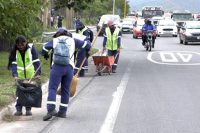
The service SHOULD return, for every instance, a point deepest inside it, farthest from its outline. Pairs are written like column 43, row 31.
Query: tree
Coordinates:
column 18, row 17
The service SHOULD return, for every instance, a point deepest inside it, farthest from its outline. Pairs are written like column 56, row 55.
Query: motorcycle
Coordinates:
column 149, row 42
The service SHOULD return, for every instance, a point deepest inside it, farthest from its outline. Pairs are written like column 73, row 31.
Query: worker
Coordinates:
column 112, row 42
column 63, row 46
column 81, row 54
column 23, row 61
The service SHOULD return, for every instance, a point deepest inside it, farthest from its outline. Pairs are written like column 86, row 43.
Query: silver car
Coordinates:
column 190, row 32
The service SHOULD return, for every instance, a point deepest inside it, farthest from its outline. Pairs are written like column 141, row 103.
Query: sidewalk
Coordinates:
column 34, row 123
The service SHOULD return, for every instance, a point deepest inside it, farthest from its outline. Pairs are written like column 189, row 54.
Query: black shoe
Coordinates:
column 61, row 115
column 81, row 74
column 49, row 115
column 18, row 113
column 114, row 71
column 28, row 113
column 143, row 43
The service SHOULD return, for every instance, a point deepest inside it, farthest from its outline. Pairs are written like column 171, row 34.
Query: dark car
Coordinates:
column 190, row 32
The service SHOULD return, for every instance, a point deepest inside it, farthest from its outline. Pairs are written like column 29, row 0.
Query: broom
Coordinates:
column 75, row 77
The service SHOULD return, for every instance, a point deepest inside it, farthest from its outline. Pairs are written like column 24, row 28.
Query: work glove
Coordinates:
column 88, row 53
column 46, row 56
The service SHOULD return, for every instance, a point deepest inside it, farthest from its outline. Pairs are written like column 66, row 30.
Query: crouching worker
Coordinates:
column 63, row 46
column 24, row 62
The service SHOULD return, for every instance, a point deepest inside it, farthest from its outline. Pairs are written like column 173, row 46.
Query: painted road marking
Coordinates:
column 165, row 57
column 185, row 57
column 175, row 57
column 111, row 116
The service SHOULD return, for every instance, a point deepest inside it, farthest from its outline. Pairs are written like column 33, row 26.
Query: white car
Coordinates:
column 156, row 19
column 104, row 20
column 167, row 27
column 127, row 26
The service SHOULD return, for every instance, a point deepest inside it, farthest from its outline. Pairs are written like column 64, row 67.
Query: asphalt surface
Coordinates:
column 152, row 92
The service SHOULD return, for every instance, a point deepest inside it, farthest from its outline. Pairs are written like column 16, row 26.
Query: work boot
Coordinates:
column 28, row 113
column 18, row 113
column 114, row 71
column 82, row 73
column 61, row 115
column 143, row 43
column 49, row 115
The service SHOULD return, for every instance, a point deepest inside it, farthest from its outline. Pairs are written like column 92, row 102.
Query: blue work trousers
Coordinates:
column 59, row 74
column 80, row 57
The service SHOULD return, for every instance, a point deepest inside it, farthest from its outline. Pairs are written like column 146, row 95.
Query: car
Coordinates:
column 104, row 20
column 137, row 28
column 155, row 20
column 127, row 26
column 167, row 27
column 190, row 32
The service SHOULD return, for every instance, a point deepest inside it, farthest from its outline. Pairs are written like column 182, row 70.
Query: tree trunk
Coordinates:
column 69, row 18
column 45, row 14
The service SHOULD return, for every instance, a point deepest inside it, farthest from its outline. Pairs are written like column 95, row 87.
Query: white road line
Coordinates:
column 111, row 117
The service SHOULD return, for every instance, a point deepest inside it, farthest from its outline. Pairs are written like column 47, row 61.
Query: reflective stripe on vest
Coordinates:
column 111, row 43
column 25, row 69
column 83, row 30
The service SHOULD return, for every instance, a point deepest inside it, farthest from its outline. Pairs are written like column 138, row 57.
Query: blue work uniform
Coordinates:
column 82, row 53
column 112, row 42
column 30, row 55
column 62, row 74
column 145, row 28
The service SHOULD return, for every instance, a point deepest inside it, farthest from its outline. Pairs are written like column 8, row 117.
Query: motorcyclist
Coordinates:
column 146, row 27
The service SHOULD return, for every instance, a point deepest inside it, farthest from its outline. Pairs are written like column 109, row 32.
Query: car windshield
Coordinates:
column 128, row 22
column 193, row 26
column 106, row 18
column 179, row 17
column 140, row 23
column 167, row 23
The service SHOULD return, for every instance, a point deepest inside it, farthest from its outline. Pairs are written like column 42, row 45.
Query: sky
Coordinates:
column 191, row 5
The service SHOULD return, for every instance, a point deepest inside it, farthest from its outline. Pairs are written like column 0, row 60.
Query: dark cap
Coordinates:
column 60, row 30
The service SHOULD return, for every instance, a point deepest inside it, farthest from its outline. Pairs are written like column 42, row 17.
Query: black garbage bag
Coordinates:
column 29, row 94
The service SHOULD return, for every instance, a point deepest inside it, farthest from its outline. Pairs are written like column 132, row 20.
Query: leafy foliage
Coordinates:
column 18, row 17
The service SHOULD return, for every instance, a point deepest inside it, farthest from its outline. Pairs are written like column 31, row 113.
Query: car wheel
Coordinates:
column 174, row 35
column 158, row 35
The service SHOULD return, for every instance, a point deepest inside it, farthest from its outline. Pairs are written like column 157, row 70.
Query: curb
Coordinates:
column 10, row 109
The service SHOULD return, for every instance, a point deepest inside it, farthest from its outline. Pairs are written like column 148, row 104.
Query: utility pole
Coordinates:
column 113, row 7
column 124, row 8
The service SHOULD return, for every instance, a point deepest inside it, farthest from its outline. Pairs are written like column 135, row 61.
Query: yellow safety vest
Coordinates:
column 83, row 30
column 111, row 43
column 25, row 69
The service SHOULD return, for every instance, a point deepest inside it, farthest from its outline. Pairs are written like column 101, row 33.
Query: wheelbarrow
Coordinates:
column 103, row 64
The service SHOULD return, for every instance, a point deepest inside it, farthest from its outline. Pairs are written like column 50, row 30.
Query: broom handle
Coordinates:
column 38, row 68
column 93, row 42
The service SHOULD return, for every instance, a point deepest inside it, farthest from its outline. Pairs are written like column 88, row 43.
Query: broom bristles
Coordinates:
column 72, row 87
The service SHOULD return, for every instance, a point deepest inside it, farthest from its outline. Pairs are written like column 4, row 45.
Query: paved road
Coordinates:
column 152, row 92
